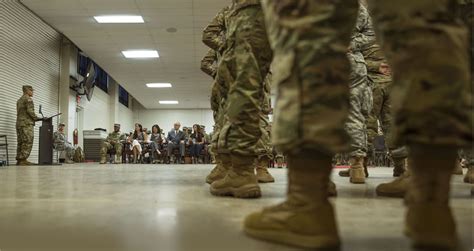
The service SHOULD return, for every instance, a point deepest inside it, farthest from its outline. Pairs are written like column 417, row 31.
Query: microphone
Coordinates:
column 40, row 111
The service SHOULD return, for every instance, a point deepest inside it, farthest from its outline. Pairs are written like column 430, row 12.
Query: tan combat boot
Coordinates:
column 357, row 174
column 345, row 173
column 458, row 169
column 224, row 164
column 429, row 220
column 103, row 159
column 306, row 219
column 240, row 181
column 263, row 176
column 396, row 188
column 469, row 178
column 399, row 166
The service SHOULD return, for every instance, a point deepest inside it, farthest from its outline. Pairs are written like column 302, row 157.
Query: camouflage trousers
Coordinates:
column 380, row 113
column 66, row 147
column 356, row 125
column 426, row 47
column 25, row 137
column 106, row 146
column 311, row 71
column 264, row 144
column 244, row 66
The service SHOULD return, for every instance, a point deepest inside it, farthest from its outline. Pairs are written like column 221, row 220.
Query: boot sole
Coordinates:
column 434, row 243
column 318, row 242
column 357, row 181
column 266, row 181
column 344, row 174
column 391, row 195
column 247, row 191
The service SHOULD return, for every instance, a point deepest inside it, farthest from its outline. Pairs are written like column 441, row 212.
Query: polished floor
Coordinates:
column 168, row 207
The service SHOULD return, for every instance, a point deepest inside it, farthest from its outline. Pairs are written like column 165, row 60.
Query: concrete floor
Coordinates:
column 161, row 207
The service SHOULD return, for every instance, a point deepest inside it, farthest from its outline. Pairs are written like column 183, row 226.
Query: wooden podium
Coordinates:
column 46, row 141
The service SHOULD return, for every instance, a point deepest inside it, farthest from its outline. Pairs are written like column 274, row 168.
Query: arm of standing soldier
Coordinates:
column 207, row 63
column 212, row 34
column 30, row 109
column 363, row 34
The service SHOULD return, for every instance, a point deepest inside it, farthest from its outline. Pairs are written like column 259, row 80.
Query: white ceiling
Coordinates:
column 180, row 52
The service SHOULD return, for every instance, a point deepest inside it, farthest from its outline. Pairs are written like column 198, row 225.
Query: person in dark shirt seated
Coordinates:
column 176, row 140
column 138, row 138
column 156, row 143
column 197, row 138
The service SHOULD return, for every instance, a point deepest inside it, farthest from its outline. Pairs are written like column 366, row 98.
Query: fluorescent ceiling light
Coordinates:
column 169, row 102
column 141, row 54
column 119, row 19
column 159, row 85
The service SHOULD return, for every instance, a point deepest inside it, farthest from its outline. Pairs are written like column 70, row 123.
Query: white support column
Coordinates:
column 64, row 82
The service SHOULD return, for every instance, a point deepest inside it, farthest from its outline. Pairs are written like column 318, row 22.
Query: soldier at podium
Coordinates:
column 113, row 141
column 25, row 122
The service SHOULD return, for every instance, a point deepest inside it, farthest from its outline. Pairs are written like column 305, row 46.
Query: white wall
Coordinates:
column 125, row 117
column 166, row 118
column 96, row 112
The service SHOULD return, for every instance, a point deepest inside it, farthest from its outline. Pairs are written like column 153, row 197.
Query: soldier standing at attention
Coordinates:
column 214, row 37
column 113, row 141
column 426, row 46
column 25, row 122
column 244, row 66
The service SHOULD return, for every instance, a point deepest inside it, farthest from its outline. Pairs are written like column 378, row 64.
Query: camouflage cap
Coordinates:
column 62, row 124
column 27, row 87
column 116, row 125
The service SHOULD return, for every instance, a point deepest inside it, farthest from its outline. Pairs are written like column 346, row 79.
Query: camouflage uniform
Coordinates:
column 360, row 100
column 264, row 146
column 426, row 48
column 465, row 8
column 25, row 122
column 214, row 37
column 61, row 144
column 113, row 141
column 245, row 64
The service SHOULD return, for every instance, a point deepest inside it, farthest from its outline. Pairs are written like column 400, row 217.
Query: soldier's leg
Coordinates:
column 28, row 134
column 311, row 72
column 375, row 114
column 265, row 153
column 356, row 128
column 252, row 57
column 118, row 152
column 426, row 48
column 106, row 146
column 19, row 140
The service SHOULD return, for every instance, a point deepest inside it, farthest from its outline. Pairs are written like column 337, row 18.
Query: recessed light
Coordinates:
column 141, row 54
column 119, row 19
column 169, row 102
column 159, row 85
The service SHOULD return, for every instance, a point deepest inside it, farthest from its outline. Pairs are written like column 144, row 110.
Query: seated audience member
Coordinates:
column 176, row 140
column 113, row 141
column 156, row 143
column 138, row 138
column 60, row 143
column 197, row 143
